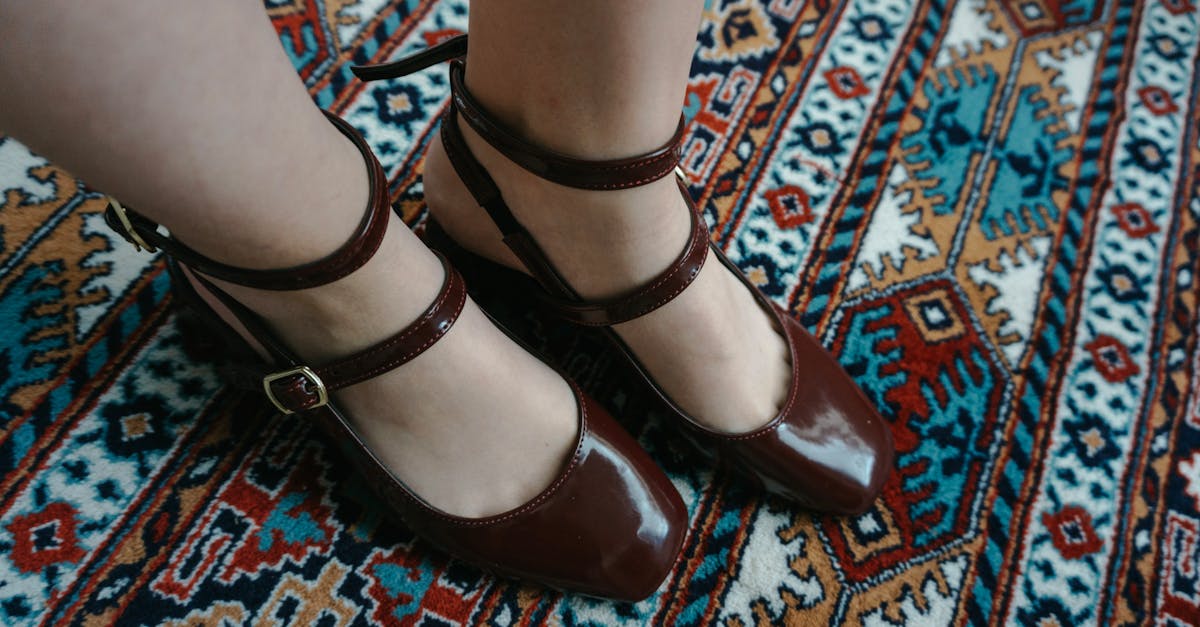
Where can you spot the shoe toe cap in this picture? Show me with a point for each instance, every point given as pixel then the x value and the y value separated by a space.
pixel 638 520
pixel 611 526
pixel 840 474
pixel 636 570
pixel 830 449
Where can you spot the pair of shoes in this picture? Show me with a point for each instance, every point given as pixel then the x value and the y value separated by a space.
pixel 827 448
pixel 609 525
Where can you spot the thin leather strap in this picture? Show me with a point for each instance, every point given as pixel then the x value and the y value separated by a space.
pixel 296 391
pixel 654 294
pixel 557 167
pixel 559 296
pixel 484 189
pixel 449 49
pixel 350 257
pixel 617 174
pixel 548 164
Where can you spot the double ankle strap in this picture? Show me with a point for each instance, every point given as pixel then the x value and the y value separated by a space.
pixel 289 383
pixel 561 169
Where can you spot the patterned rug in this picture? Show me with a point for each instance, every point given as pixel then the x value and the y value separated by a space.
pixel 987 209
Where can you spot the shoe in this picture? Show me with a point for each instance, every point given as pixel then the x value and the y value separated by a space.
pixel 610 525
pixel 827 448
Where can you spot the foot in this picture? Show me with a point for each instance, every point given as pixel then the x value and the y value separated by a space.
pixel 475 425
pixel 712 349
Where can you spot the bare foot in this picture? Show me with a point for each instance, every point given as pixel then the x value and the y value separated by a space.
pixel 712 349
pixel 475 425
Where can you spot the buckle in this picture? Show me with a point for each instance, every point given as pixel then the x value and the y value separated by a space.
pixel 130 234
pixel 682 175
pixel 307 373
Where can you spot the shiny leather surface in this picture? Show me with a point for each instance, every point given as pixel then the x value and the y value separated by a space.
pixel 827 448
pixel 558 293
pixel 654 294
pixel 559 168
pixel 444 51
pixel 296 392
pixel 550 165
pixel 610 525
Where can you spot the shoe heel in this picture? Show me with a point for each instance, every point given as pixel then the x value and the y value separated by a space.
pixel 204 336
pixel 196 335
pixel 494 286
pixel 515 300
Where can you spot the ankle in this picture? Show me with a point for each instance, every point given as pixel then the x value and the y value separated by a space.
pixel 632 234
pixel 292 220
pixel 330 321
pixel 581 125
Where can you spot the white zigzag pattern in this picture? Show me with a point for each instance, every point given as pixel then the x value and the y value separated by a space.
pixel 1067 480
pixel 1016 294
pixel 81 446
pixel 16 172
pixel 890 234
pixel 969 29
pixel 430 84
pixel 819 175
pixel 125 265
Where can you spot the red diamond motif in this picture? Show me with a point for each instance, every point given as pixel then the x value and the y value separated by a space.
pixel 846 83
pixel 1071 532
pixel 1135 220
pixel 1112 359
pixel 790 206
pixel 1157 100
pixel 45 538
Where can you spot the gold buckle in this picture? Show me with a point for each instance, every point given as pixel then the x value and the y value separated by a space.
pixel 130 233
pixel 682 175
pixel 322 393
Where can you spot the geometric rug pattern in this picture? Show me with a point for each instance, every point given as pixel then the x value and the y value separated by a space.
pixel 988 210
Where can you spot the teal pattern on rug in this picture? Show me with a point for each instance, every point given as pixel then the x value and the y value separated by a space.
pixel 988 210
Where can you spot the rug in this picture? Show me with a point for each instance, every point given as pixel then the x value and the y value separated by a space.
pixel 986 209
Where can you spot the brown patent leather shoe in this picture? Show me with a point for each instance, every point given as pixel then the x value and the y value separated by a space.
pixel 610 525
pixel 828 448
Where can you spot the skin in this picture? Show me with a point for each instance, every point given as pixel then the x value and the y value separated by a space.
pixel 184 111
pixel 607 80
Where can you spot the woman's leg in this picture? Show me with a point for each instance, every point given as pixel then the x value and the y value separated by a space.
pixel 192 114
pixel 602 80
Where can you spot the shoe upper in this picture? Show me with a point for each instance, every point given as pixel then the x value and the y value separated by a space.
pixel 610 525
pixel 828 447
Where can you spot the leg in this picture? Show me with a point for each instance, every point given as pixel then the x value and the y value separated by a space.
pixel 105 90
pixel 193 115
pixel 599 81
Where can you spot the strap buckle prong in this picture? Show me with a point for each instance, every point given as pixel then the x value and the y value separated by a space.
pixel 131 233
pixel 307 373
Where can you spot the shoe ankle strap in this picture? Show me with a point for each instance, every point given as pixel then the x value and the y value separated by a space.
pixel 556 167
pixel 597 175
pixel 145 233
pixel 451 48
pixel 553 166
pixel 293 386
